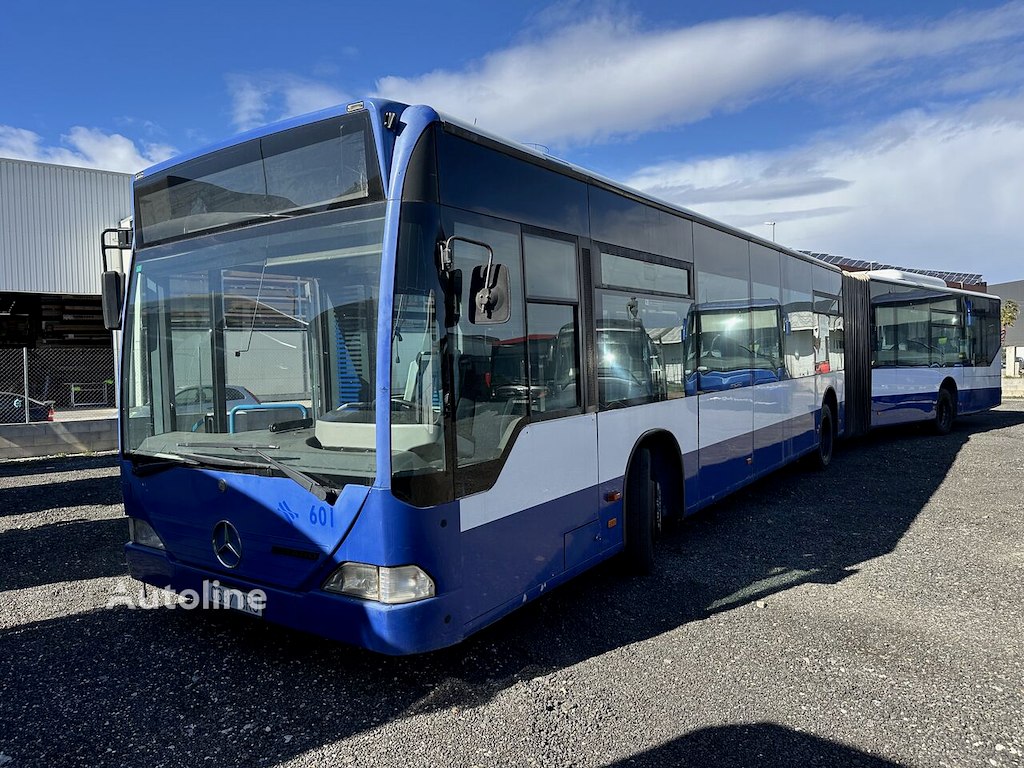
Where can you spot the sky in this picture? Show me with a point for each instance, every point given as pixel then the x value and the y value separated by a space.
pixel 890 132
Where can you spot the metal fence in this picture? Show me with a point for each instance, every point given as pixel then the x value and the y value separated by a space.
pixel 36 382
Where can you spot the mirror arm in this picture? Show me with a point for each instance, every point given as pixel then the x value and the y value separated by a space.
pixel 124 243
pixel 483 297
pixel 448 256
pixel 447 261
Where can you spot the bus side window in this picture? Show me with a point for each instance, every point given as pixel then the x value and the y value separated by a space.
pixel 641 326
pixel 552 318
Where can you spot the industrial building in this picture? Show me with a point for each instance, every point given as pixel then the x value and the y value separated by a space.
pixel 51 324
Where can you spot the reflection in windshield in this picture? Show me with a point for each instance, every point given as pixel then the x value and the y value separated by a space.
pixel 311 167
pixel 265 331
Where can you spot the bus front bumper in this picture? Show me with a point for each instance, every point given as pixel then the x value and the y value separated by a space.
pixel 417 627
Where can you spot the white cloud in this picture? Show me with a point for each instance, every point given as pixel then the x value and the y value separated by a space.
pixel 84 147
pixel 938 190
pixel 607 76
pixel 257 99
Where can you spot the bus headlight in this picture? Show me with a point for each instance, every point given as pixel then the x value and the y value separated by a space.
pixel 383 584
pixel 141 532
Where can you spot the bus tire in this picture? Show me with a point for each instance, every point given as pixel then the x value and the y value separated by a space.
pixel 643 512
pixel 945 412
pixel 822 456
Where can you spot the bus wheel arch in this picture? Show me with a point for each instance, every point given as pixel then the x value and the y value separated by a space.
pixel 945 407
pixel 653 485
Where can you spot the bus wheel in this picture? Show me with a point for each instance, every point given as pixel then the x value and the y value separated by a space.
pixel 826 439
pixel 643 512
pixel 945 412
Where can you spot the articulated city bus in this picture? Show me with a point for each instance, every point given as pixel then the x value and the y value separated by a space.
pixel 385 377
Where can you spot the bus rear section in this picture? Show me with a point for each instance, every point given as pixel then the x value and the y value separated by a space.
pixel 935 350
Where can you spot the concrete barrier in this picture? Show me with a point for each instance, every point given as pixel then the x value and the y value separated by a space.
pixel 1013 387
pixel 46 438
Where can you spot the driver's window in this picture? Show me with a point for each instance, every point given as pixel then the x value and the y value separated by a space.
pixel 489 365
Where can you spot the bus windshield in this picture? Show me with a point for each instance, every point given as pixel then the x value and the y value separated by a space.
pixel 263 335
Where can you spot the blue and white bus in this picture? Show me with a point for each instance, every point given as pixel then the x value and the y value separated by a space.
pixel 394 376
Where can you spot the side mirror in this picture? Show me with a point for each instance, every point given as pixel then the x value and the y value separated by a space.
pixel 112 288
pixel 488 284
pixel 113 242
pixel 489 287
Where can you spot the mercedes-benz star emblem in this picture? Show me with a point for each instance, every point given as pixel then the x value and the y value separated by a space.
pixel 227 544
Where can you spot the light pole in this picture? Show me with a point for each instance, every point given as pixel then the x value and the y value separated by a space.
pixel 772 225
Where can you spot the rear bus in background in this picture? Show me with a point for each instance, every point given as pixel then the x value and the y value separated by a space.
pixel 475 371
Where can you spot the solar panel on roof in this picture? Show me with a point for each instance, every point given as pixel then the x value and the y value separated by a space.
pixel 965 278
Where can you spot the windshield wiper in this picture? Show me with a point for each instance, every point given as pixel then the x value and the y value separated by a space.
pixel 209 460
pixel 318 489
pixel 169 461
pixel 159 464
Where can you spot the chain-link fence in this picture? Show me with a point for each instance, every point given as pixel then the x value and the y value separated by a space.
pixel 36 383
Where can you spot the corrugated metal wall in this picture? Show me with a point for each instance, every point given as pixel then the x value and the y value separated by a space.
pixel 51 217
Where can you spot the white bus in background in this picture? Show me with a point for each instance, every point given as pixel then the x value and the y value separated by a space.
pixel 935 352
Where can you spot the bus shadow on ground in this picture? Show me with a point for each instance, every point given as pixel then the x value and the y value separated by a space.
pixel 174 686
pixel 766 745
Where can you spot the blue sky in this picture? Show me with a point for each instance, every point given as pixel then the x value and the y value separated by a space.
pixel 878 132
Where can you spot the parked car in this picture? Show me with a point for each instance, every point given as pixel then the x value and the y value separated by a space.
pixel 191 404
pixel 199 400
pixel 12 408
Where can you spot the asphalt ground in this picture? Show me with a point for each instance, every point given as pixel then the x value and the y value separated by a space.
pixel 869 615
